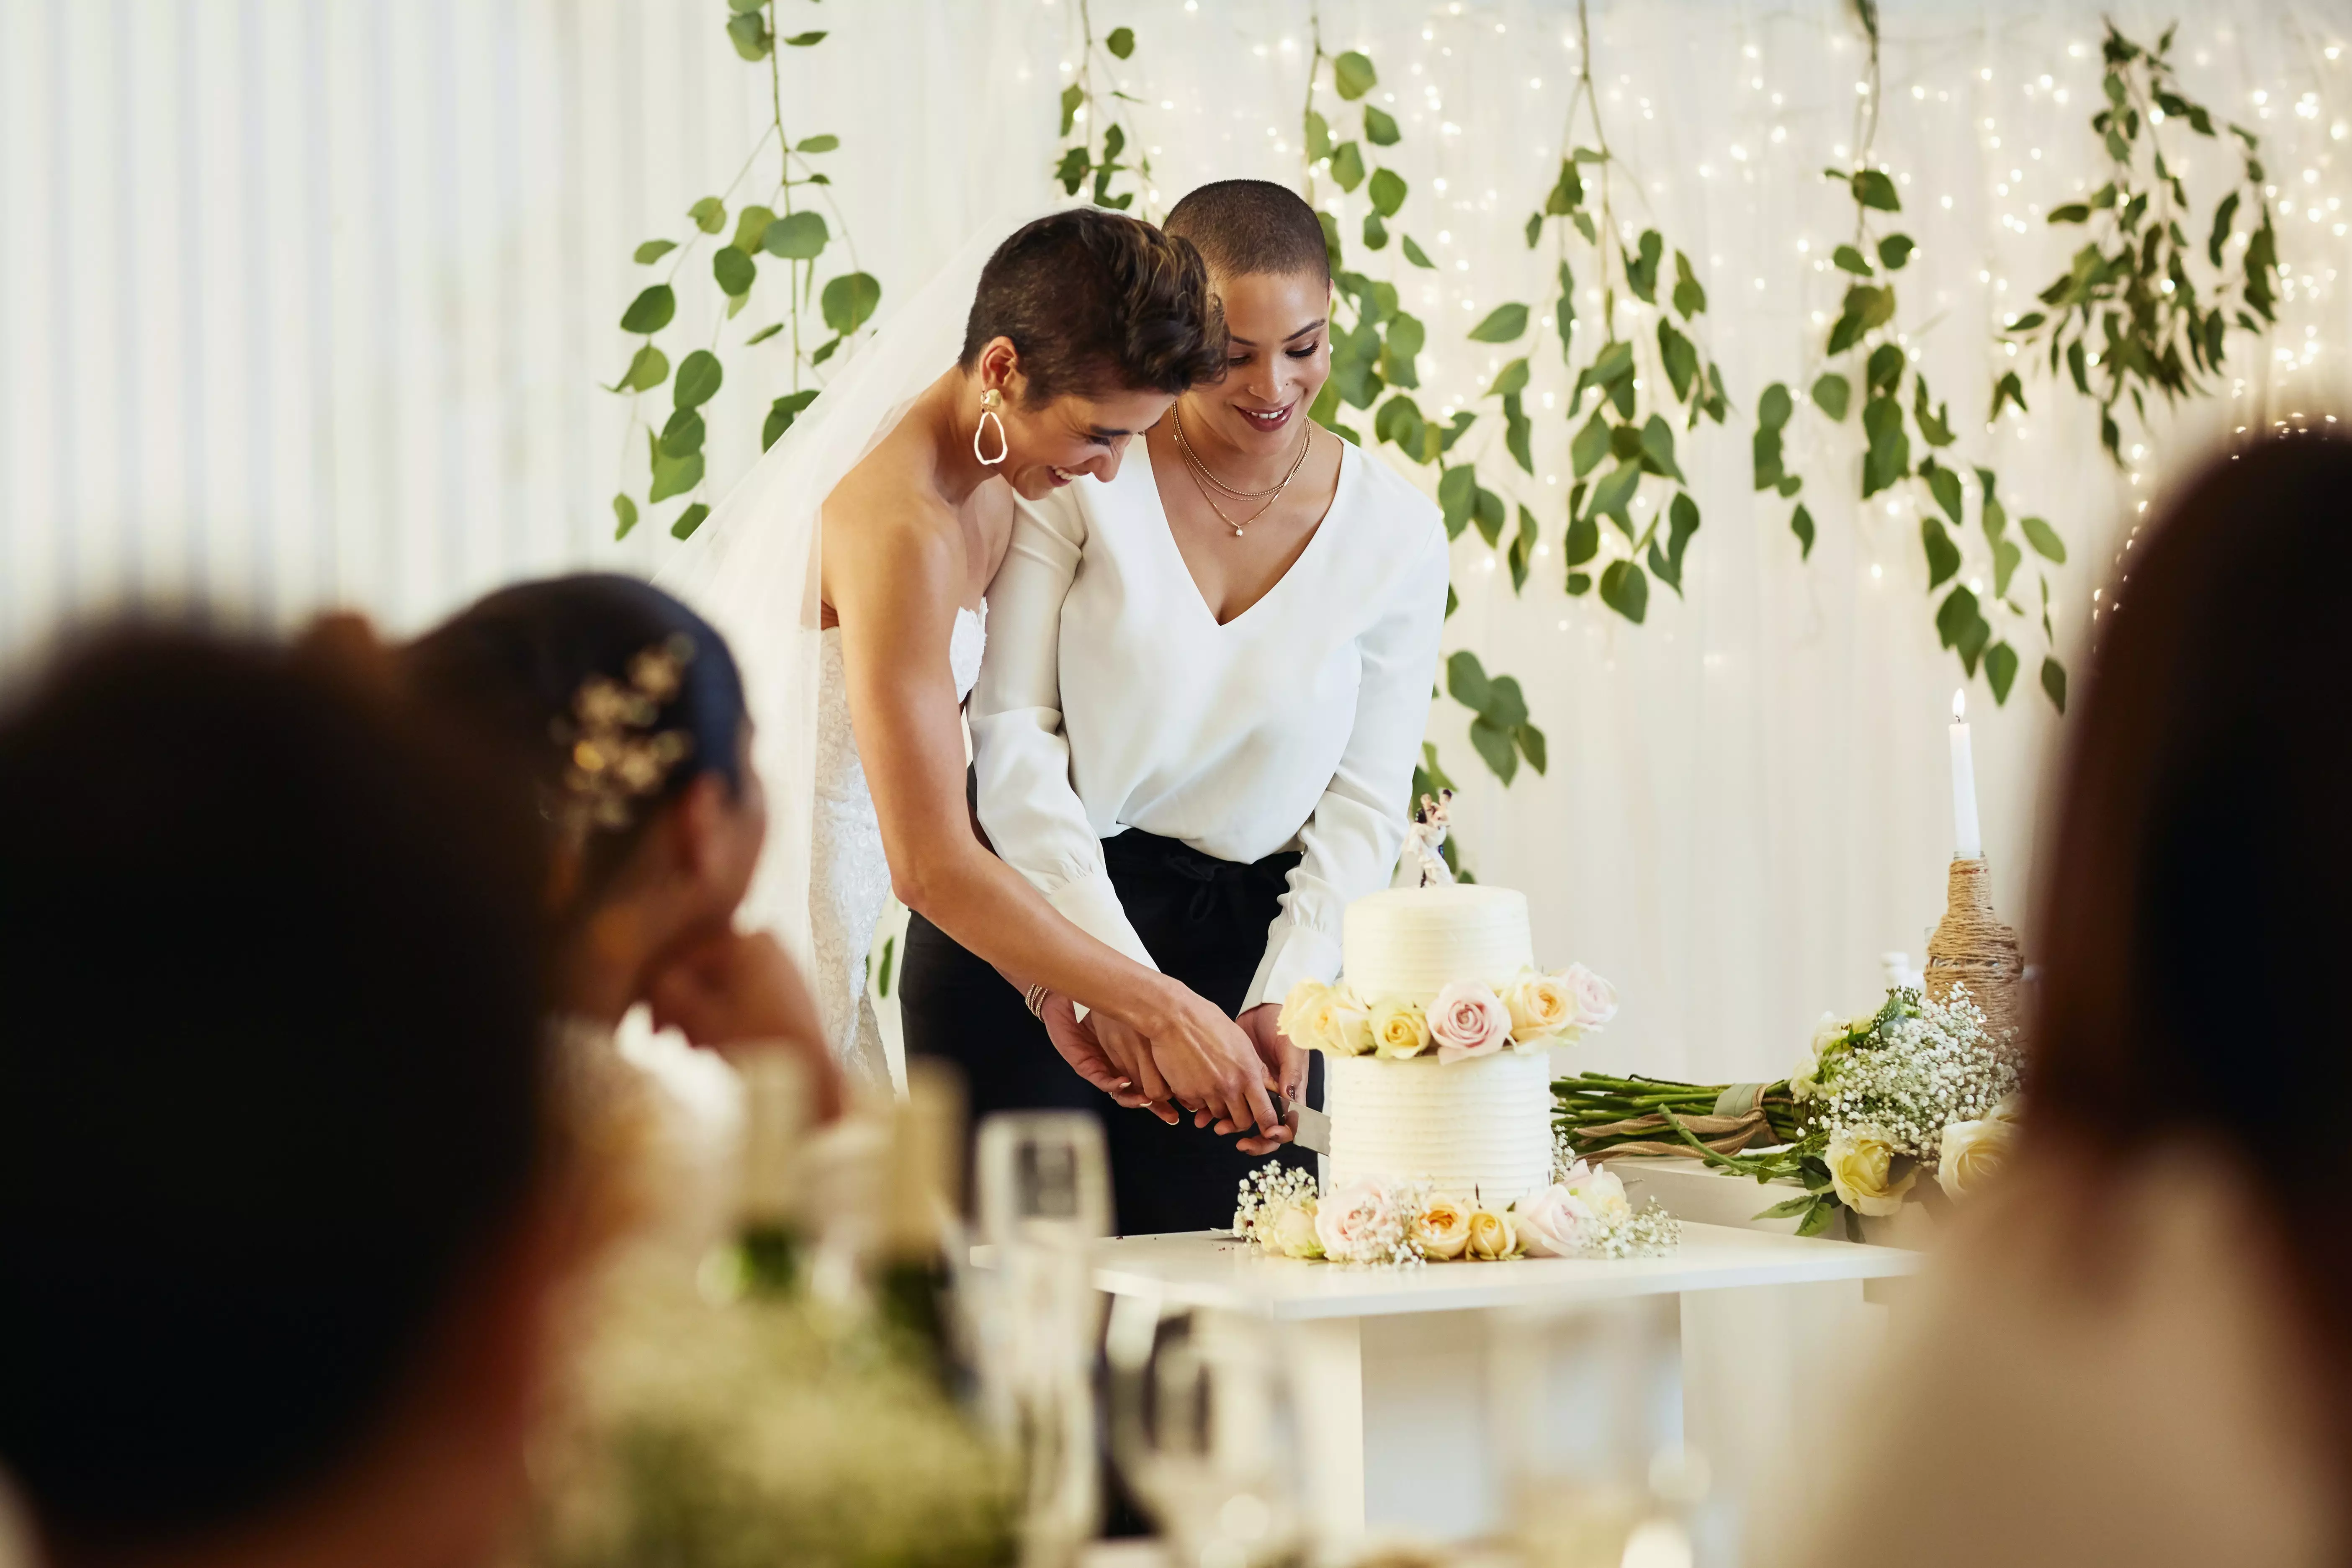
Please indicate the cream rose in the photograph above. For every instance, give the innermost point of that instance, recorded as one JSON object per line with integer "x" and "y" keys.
{"x": 1399, "y": 1029}
{"x": 1806, "y": 1082}
{"x": 1347, "y": 1024}
{"x": 1492, "y": 1238}
{"x": 1468, "y": 1019}
{"x": 1442, "y": 1229}
{"x": 1596, "y": 999}
{"x": 1600, "y": 1190}
{"x": 1351, "y": 1220}
{"x": 1861, "y": 1167}
{"x": 1550, "y": 1223}
{"x": 1973, "y": 1153}
{"x": 1542, "y": 1006}
{"x": 1293, "y": 1234}
{"x": 1302, "y": 1015}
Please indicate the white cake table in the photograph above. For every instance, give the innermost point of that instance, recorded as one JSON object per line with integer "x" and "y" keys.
{"x": 1395, "y": 1359}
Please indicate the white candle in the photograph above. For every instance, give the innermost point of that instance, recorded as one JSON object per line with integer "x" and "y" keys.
{"x": 1967, "y": 839}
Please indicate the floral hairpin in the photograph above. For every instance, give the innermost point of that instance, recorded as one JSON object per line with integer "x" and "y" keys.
{"x": 613, "y": 756}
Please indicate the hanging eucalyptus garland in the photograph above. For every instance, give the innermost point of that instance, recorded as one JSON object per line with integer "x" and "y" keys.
{"x": 780, "y": 226}
{"x": 1097, "y": 118}
{"x": 2125, "y": 317}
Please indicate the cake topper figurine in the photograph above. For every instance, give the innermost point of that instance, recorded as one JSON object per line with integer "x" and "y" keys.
{"x": 1422, "y": 839}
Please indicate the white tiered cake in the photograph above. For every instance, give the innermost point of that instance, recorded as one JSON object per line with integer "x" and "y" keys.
{"x": 1479, "y": 1125}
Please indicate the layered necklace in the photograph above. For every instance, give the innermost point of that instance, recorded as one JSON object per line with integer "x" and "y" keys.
{"x": 1204, "y": 480}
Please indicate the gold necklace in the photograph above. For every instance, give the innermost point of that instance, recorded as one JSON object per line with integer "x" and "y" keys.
{"x": 1202, "y": 478}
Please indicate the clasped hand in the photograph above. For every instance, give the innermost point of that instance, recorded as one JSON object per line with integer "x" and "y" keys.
{"x": 1217, "y": 1069}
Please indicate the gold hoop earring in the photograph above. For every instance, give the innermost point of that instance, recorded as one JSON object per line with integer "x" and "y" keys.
{"x": 990, "y": 402}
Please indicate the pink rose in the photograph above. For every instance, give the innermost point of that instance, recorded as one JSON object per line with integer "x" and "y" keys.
{"x": 1596, "y": 999}
{"x": 1358, "y": 1223}
{"x": 1551, "y": 1222}
{"x": 1468, "y": 1019}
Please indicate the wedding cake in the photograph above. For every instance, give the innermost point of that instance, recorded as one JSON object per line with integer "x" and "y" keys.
{"x": 1435, "y": 1068}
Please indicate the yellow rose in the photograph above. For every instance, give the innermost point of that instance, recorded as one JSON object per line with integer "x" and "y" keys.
{"x": 1542, "y": 1006}
{"x": 1399, "y": 1029}
{"x": 1293, "y": 1235}
{"x": 1492, "y": 1237}
{"x": 1973, "y": 1153}
{"x": 1442, "y": 1229}
{"x": 1302, "y": 1014}
{"x": 1862, "y": 1166}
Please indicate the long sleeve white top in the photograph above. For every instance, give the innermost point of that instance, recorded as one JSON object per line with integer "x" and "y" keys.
{"x": 1110, "y": 698}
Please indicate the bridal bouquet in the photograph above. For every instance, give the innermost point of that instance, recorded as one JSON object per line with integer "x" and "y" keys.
{"x": 1583, "y": 1214}
{"x": 1918, "y": 1086}
{"x": 1467, "y": 1019}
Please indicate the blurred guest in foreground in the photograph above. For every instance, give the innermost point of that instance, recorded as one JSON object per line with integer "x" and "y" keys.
{"x": 2138, "y": 1349}
{"x": 624, "y": 711}
{"x": 283, "y": 1211}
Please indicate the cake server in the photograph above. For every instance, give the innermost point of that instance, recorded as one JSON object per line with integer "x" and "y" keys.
{"x": 1309, "y": 1128}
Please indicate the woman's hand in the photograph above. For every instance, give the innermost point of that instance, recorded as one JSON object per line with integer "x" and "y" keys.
{"x": 1285, "y": 1065}
{"x": 733, "y": 989}
{"x": 1211, "y": 1067}
{"x": 1075, "y": 1039}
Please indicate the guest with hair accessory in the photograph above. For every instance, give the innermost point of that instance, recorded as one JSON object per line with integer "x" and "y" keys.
{"x": 285, "y": 1214}
{"x": 624, "y": 710}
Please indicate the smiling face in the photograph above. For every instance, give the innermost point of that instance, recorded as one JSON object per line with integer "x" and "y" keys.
{"x": 1051, "y": 443}
{"x": 1278, "y": 325}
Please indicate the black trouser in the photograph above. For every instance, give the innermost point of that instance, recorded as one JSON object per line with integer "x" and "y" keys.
{"x": 1204, "y": 922}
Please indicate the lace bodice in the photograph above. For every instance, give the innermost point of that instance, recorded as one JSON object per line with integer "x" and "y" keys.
{"x": 850, "y": 876}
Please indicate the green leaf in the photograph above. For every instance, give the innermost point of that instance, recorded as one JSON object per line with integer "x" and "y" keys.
{"x": 796, "y": 236}
{"x": 1690, "y": 298}
{"x": 825, "y": 351}
{"x": 1787, "y": 1208}
{"x": 674, "y": 476}
{"x": 1682, "y": 522}
{"x": 749, "y": 30}
{"x": 1769, "y": 462}
{"x": 1773, "y": 406}
{"x": 2001, "y": 670}
{"x": 805, "y": 41}
{"x": 1625, "y": 589}
{"x": 1833, "y": 396}
{"x": 682, "y": 436}
{"x": 1819, "y": 1217}
{"x": 1511, "y": 380}
{"x": 1386, "y": 192}
{"x": 825, "y": 143}
{"x": 1503, "y": 324}
{"x": 1319, "y": 136}
{"x": 709, "y": 214}
{"x": 651, "y": 311}
{"x": 647, "y": 368}
{"x": 688, "y": 521}
{"x": 1579, "y": 582}
{"x": 1353, "y": 75}
{"x": 2009, "y": 389}
{"x": 2045, "y": 540}
{"x": 1641, "y": 270}
{"x": 1347, "y": 165}
{"x": 1121, "y": 42}
{"x": 734, "y": 271}
{"x": 1505, "y": 706}
{"x": 1894, "y": 250}
{"x": 750, "y": 222}
{"x": 1072, "y": 170}
{"x": 1517, "y": 431}
{"x": 1962, "y": 627}
{"x": 1592, "y": 444}
{"x": 1679, "y": 357}
{"x": 625, "y": 516}
{"x": 763, "y": 334}
{"x": 2054, "y": 683}
{"x": 1415, "y": 254}
{"x": 1888, "y": 456}
{"x": 1467, "y": 682}
{"x": 1403, "y": 341}
{"x": 2070, "y": 212}
{"x": 699, "y": 376}
{"x": 1943, "y": 555}
{"x": 1945, "y": 485}
{"x": 1380, "y": 127}
{"x": 653, "y": 250}
{"x": 1487, "y": 511}
{"x": 1583, "y": 541}
{"x": 1872, "y": 189}
{"x": 1567, "y": 192}
{"x": 1935, "y": 425}
{"x": 1801, "y": 523}
{"x": 1883, "y": 370}
{"x": 1613, "y": 492}
{"x": 1523, "y": 547}
{"x": 781, "y": 415}
{"x": 1531, "y": 744}
{"x": 1658, "y": 447}
{"x": 1457, "y": 497}
{"x": 1399, "y": 423}
{"x": 1074, "y": 97}
{"x": 1493, "y": 747}
{"x": 1851, "y": 260}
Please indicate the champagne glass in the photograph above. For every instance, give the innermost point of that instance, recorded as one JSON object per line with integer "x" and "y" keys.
{"x": 1205, "y": 1429}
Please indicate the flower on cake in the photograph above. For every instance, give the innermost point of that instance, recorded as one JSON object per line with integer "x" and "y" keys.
{"x": 1862, "y": 1169}
{"x": 1542, "y": 1006}
{"x": 1399, "y": 1029}
{"x": 1443, "y": 1227}
{"x": 1328, "y": 1018}
{"x": 1596, "y": 999}
{"x": 1468, "y": 1019}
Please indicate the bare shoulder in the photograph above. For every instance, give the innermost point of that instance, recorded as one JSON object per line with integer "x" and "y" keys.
{"x": 882, "y": 512}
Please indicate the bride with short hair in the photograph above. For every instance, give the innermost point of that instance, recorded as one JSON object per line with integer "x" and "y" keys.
{"x": 847, "y": 570}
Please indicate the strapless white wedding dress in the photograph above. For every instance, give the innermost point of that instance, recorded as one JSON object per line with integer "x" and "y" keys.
{"x": 850, "y": 876}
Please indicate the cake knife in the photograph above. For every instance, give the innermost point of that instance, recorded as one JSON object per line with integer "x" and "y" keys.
{"x": 1309, "y": 1128}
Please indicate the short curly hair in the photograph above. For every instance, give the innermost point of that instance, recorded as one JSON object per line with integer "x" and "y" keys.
{"x": 1095, "y": 302}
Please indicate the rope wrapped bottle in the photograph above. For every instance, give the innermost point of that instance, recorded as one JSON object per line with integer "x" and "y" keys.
{"x": 1972, "y": 947}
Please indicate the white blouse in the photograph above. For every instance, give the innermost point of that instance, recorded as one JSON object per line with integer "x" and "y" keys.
{"x": 1110, "y": 698}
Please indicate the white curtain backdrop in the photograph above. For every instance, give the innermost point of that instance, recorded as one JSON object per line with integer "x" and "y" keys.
{"x": 305, "y": 302}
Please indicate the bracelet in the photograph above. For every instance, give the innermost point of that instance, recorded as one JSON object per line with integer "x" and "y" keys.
{"x": 1035, "y": 999}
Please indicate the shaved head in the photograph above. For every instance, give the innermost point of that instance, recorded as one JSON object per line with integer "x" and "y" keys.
{"x": 1244, "y": 226}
